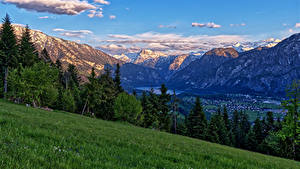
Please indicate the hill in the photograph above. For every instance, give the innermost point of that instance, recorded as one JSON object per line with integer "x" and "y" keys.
{"x": 34, "y": 138}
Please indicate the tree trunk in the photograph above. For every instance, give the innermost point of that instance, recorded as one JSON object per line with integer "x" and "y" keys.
{"x": 84, "y": 106}
{"x": 5, "y": 81}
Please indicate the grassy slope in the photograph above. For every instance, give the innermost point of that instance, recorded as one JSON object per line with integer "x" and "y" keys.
{"x": 32, "y": 138}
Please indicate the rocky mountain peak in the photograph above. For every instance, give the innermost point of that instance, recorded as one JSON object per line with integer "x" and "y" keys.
{"x": 225, "y": 52}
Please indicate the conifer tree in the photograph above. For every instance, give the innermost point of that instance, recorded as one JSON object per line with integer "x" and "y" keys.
{"x": 196, "y": 121}
{"x": 270, "y": 122}
{"x": 147, "y": 114}
{"x": 117, "y": 79}
{"x": 9, "y": 48}
{"x": 74, "y": 77}
{"x": 164, "y": 117}
{"x": 44, "y": 56}
{"x": 258, "y": 131}
{"x": 174, "y": 113}
{"x": 27, "y": 51}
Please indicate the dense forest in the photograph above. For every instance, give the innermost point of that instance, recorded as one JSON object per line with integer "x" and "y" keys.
{"x": 31, "y": 78}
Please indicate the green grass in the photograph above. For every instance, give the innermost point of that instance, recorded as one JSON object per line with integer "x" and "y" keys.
{"x": 33, "y": 138}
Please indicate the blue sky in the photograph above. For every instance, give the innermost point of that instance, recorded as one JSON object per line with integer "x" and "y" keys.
{"x": 111, "y": 22}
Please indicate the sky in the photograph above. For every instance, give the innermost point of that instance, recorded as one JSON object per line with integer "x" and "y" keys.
{"x": 163, "y": 25}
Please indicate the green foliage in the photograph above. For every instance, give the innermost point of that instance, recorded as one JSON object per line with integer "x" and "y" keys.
{"x": 28, "y": 53}
{"x": 34, "y": 85}
{"x": 34, "y": 138}
{"x": 117, "y": 79}
{"x": 9, "y": 55}
{"x": 127, "y": 108}
{"x": 196, "y": 121}
{"x": 68, "y": 101}
{"x": 164, "y": 109}
{"x": 290, "y": 126}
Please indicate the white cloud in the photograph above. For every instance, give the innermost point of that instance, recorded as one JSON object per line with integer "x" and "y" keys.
{"x": 102, "y": 2}
{"x": 73, "y": 33}
{"x": 67, "y": 7}
{"x": 237, "y": 25}
{"x": 167, "y": 26}
{"x": 207, "y": 25}
{"x": 291, "y": 30}
{"x": 112, "y": 17}
{"x": 284, "y": 24}
{"x": 297, "y": 25}
{"x": 94, "y": 13}
{"x": 44, "y": 17}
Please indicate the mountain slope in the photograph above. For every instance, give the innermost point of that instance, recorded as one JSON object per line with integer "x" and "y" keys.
{"x": 83, "y": 56}
{"x": 34, "y": 138}
{"x": 263, "y": 70}
{"x": 201, "y": 71}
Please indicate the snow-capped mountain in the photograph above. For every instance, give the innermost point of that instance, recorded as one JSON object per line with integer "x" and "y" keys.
{"x": 246, "y": 46}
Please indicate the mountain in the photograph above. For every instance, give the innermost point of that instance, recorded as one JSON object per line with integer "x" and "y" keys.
{"x": 83, "y": 56}
{"x": 265, "y": 70}
{"x": 200, "y": 71}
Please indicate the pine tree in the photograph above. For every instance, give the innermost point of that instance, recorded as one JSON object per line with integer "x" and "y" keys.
{"x": 174, "y": 113}
{"x": 147, "y": 107}
{"x": 44, "y": 56}
{"x": 164, "y": 117}
{"x": 154, "y": 110}
{"x": 117, "y": 79}
{"x": 74, "y": 77}
{"x": 9, "y": 48}
{"x": 227, "y": 125}
{"x": 212, "y": 130}
{"x": 27, "y": 51}
{"x": 258, "y": 132}
{"x": 196, "y": 121}
{"x": 270, "y": 122}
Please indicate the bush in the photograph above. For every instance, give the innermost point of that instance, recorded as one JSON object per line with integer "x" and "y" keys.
{"x": 127, "y": 108}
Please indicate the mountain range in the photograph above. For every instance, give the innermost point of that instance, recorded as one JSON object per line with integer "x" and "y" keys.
{"x": 236, "y": 68}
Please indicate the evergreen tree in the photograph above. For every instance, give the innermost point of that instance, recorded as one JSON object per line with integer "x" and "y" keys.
{"x": 212, "y": 130}
{"x": 245, "y": 127}
{"x": 154, "y": 111}
{"x": 149, "y": 118}
{"x": 44, "y": 56}
{"x": 270, "y": 122}
{"x": 227, "y": 125}
{"x": 196, "y": 121}
{"x": 117, "y": 79}
{"x": 27, "y": 51}
{"x": 174, "y": 113}
{"x": 236, "y": 129}
{"x": 108, "y": 94}
{"x": 164, "y": 117}
{"x": 9, "y": 48}
{"x": 258, "y": 132}
{"x": 74, "y": 77}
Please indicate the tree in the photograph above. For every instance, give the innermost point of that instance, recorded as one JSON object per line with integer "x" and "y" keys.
{"x": 289, "y": 133}
{"x": 270, "y": 122}
{"x": 44, "y": 56}
{"x": 149, "y": 118}
{"x": 174, "y": 114}
{"x": 164, "y": 117}
{"x": 9, "y": 48}
{"x": 34, "y": 85}
{"x": 117, "y": 79}
{"x": 127, "y": 108}
{"x": 258, "y": 132}
{"x": 196, "y": 121}
{"x": 27, "y": 51}
{"x": 107, "y": 95}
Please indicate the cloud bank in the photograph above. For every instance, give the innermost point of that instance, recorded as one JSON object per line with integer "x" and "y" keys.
{"x": 73, "y": 33}
{"x": 170, "y": 43}
{"x": 67, "y": 7}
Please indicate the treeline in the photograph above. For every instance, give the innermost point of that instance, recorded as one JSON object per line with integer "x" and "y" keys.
{"x": 29, "y": 77}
